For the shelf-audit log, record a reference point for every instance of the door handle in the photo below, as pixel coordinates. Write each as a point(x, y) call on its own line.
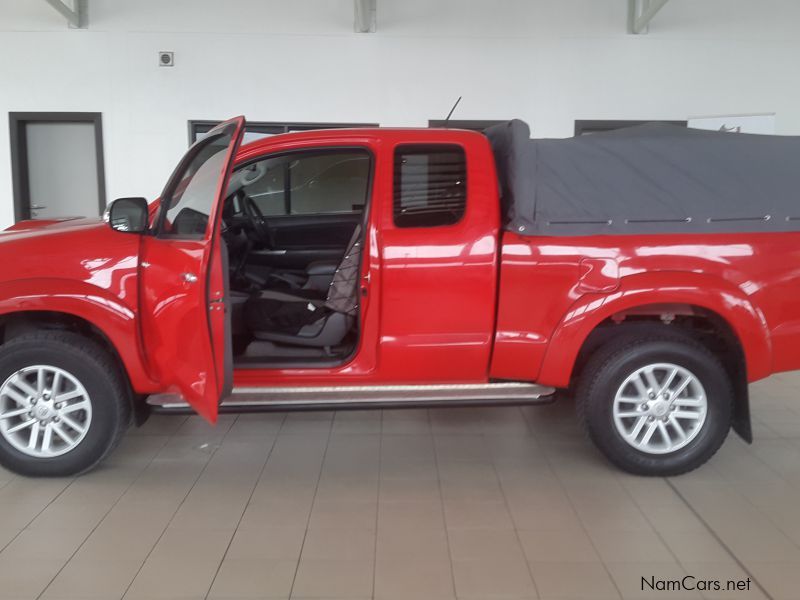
point(189, 277)
point(37, 207)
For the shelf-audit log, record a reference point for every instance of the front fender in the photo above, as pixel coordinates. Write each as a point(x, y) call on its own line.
point(697, 289)
point(112, 317)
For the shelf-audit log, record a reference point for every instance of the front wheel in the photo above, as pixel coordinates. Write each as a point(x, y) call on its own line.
point(657, 404)
point(64, 404)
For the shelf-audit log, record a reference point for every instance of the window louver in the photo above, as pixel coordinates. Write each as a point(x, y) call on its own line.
point(430, 185)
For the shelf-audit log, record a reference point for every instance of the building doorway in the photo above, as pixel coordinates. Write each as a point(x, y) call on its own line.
point(57, 165)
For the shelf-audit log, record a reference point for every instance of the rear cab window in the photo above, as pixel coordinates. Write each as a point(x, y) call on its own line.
point(430, 185)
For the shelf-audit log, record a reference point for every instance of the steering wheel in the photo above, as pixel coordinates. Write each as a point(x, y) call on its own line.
point(256, 220)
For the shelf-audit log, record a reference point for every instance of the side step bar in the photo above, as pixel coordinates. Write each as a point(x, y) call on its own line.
point(265, 399)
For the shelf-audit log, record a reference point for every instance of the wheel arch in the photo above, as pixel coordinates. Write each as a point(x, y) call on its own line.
point(16, 324)
point(710, 310)
point(87, 308)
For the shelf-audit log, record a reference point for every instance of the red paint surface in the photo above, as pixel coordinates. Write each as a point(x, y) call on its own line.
point(440, 304)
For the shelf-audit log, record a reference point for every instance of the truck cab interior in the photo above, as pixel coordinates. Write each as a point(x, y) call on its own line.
point(293, 226)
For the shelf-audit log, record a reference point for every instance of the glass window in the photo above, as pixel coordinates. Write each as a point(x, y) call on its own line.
point(192, 194)
point(312, 183)
point(430, 185)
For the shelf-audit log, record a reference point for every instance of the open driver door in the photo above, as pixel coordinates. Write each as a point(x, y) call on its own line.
point(183, 278)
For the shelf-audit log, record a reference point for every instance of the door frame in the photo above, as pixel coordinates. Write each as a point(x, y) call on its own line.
point(19, 154)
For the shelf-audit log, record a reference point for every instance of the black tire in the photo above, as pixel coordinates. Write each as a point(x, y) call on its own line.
point(608, 368)
point(106, 386)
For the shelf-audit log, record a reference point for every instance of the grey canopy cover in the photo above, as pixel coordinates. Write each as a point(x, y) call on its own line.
point(647, 179)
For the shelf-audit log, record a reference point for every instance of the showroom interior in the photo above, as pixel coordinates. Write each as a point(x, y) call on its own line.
point(100, 99)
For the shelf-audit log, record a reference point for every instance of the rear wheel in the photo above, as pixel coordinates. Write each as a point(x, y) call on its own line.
point(657, 403)
point(64, 404)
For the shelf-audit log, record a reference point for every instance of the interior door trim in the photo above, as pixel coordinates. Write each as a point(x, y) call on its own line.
point(19, 154)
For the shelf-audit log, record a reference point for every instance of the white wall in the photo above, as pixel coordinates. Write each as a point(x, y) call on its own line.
point(546, 61)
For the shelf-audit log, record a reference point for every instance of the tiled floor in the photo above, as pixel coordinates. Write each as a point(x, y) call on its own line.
point(418, 504)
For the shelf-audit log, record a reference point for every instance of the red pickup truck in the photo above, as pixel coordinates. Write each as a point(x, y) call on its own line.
point(385, 268)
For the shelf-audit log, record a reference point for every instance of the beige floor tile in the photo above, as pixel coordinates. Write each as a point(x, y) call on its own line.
point(409, 491)
point(477, 515)
point(781, 580)
point(90, 579)
point(253, 578)
point(483, 497)
point(460, 447)
point(311, 422)
point(623, 517)
point(763, 544)
point(102, 487)
point(723, 573)
point(19, 581)
point(493, 578)
point(70, 516)
point(650, 492)
point(256, 425)
point(200, 544)
point(276, 543)
point(279, 513)
point(357, 421)
point(644, 581)
point(7, 535)
point(328, 578)
point(418, 470)
point(340, 544)
point(273, 489)
point(17, 515)
point(630, 546)
point(35, 544)
point(466, 472)
point(105, 542)
point(401, 545)
point(355, 490)
point(558, 546)
point(406, 421)
point(404, 579)
point(484, 544)
point(574, 581)
point(695, 546)
point(541, 517)
point(410, 516)
point(678, 518)
point(338, 514)
point(173, 576)
point(209, 514)
point(484, 491)
point(33, 492)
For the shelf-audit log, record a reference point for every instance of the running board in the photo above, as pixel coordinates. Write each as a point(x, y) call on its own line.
point(265, 399)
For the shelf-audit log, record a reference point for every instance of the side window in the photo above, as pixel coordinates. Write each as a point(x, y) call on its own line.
point(269, 190)
point(430, 185)
point(311, 183)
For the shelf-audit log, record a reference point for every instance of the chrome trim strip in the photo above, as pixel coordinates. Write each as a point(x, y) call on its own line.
point(372, 394)
point(387, 388)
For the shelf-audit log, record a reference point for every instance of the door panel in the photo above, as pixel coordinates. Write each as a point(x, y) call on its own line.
point(185, 325)
point(300, 240)
point(317, 231)
point(439, 277)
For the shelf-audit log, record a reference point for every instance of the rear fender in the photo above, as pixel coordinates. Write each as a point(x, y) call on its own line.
point(704, 291)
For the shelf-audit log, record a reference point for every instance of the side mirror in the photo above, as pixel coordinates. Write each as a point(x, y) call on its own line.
point(127, 214)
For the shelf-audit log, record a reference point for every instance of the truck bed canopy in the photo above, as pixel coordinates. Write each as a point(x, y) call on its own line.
point(647, 179)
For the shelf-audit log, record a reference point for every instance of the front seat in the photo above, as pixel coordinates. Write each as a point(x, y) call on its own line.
point(304, 318)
